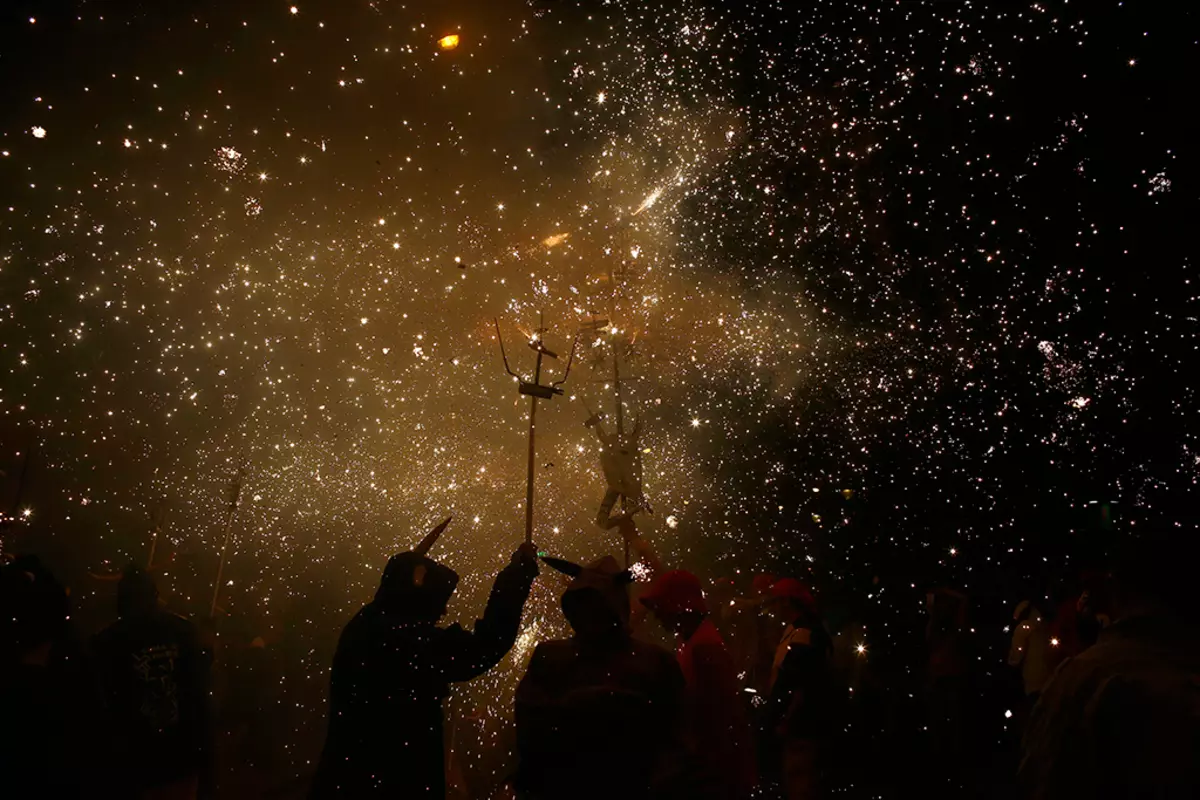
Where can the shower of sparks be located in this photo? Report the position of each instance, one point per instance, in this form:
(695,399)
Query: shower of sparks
(555,240)
(860,261)
(649,202)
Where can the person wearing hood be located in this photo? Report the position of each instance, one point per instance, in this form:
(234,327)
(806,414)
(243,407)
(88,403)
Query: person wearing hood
(155,679)
(596,714)
(393,668)
(715,724)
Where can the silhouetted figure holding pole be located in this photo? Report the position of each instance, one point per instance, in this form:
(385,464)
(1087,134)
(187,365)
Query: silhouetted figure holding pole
(393,668)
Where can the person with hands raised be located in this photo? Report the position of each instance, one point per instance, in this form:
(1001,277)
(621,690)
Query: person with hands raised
(394,666)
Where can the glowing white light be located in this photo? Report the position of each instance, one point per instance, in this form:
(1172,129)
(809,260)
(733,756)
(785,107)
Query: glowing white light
(38,132)
(650,200)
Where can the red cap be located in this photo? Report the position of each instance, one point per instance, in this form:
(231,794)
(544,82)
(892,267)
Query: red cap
(761,584)
(676,592)
(792,589)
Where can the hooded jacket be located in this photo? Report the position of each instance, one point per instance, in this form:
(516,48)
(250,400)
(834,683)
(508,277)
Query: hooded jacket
(393,668)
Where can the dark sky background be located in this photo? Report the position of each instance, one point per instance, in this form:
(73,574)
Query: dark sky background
(909,283)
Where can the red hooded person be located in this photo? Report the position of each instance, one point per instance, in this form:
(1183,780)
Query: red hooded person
(715,724)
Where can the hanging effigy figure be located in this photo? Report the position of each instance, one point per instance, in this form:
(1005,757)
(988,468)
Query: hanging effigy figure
(621,461)
(393,668)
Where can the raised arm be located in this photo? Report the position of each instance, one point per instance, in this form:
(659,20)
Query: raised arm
(468,654)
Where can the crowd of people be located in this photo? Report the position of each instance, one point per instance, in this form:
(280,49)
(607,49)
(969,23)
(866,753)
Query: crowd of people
(757,700)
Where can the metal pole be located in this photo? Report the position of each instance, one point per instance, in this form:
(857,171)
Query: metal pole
(235,496)
(617,384)
(153,545)
(212,609)
(537,375)
(16,506)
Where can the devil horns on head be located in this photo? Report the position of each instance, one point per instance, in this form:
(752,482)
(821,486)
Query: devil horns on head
(431,538)
(575,570)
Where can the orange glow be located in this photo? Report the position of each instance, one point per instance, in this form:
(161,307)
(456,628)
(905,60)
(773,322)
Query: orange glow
(448,42)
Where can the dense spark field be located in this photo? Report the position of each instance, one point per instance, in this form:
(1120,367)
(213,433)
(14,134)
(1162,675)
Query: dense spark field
(899,279)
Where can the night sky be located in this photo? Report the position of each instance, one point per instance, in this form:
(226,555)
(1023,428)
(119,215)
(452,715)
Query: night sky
(902,289)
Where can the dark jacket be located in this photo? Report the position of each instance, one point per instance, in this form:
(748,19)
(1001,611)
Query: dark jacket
(597,719)
(596,724)
(1121,719)
(800,700)
(155,678)
(390,675)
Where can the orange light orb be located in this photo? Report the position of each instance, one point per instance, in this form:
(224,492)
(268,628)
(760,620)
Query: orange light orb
(448,42)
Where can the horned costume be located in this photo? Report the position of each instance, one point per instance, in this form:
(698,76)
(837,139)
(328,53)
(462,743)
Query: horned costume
(393,668)
(597,713)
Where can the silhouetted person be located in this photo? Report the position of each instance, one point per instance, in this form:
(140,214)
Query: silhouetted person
(753,636)
(1077,621)
(948,673)
(796,718)
(597,713)
(393,668)
(155,680)
(716,727)
(46,709)
(1122,718)
(253,696)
